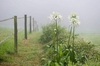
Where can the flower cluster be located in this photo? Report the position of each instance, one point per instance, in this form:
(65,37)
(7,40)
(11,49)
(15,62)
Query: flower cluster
(55,17)
(74,20)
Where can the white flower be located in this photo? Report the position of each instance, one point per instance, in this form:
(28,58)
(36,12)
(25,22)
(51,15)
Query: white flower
(74,20)
(55,16)
(73,15)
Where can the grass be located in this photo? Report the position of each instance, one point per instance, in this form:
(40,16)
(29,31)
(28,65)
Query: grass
(6,46)
(29,51)
(4,32)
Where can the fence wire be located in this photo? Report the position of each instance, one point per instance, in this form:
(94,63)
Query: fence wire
(12,18)
(6,19)
(9,36)
(20,17)
(20,30)
(6,38)
(12,33)
(28,17)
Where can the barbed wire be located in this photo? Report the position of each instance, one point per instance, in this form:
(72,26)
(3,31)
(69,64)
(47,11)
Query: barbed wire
(6,19)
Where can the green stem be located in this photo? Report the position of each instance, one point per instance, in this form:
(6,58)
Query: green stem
(73,36)
(54,45)
(57,41)
(57,35)
(69,36)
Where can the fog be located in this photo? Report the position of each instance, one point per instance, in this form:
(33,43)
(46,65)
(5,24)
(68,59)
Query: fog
(87,10)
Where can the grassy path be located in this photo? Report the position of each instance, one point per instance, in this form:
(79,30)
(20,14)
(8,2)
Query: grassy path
(29,53)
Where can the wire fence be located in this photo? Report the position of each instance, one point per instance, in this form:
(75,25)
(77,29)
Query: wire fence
(20,17)
(16,31)
(6,19)
(9,35)
(6,38)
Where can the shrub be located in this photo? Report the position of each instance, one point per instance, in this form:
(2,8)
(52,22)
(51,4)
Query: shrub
(48,33)
(86,49)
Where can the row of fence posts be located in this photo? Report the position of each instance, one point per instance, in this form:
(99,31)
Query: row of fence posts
(25,29)
(35,27)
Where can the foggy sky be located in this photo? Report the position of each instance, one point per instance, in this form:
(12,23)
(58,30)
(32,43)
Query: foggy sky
(87,10)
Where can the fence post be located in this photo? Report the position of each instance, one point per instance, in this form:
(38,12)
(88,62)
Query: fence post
(15,34)
(25,25)
(33,24)
(30,24)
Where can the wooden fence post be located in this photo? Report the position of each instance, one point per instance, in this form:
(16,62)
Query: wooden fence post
(33,24)
(25,26)
(30,24)
(15,34)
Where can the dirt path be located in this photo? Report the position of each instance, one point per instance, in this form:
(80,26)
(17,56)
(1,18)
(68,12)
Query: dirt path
(29,53)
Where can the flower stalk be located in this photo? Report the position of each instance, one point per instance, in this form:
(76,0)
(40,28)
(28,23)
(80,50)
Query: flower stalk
(74,22)
(56,17)
(69,37)
(73,36)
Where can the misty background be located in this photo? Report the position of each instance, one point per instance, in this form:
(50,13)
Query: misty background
(87,10)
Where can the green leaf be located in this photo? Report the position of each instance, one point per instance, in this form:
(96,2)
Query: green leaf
(60,49)
(56,64)
(72,56)
(49,63)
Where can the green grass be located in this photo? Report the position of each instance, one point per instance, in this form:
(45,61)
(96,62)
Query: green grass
(29,51)
(8,45)
(4,32)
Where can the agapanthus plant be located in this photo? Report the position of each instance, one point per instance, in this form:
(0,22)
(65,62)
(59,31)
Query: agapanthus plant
(74,22)
(56,17)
